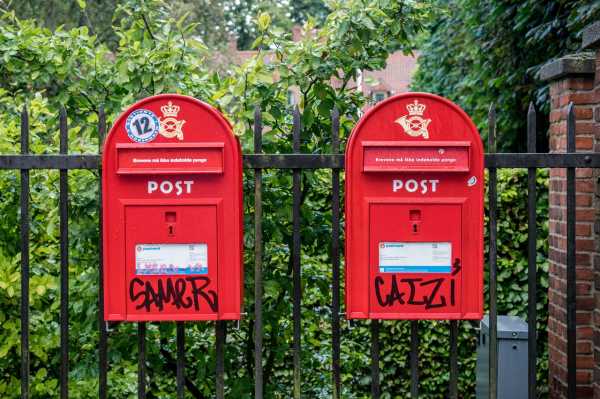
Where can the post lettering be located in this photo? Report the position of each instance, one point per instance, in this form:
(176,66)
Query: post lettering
(167,187)
(412,185)
(152,186)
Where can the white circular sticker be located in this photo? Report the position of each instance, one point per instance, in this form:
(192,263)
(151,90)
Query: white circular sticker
(142,126)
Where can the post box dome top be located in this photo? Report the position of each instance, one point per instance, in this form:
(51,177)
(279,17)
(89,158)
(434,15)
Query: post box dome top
(416,117)
(169,119)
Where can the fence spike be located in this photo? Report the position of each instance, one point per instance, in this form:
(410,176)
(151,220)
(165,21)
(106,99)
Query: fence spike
(531,128)
(492,128)
(571,298)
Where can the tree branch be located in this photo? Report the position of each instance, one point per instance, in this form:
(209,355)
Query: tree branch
(147,25)
(172,367)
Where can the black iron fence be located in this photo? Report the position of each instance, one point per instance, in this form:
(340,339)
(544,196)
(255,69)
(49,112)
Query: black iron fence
(296,163)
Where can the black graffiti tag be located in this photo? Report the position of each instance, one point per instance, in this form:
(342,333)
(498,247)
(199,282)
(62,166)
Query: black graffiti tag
(393,296)
(405,292)
(180,292)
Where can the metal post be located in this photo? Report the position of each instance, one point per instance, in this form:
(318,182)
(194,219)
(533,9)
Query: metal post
(64,260)
(571,276)
(335,257)
(532,255)
(493,377)
(296,193)
(258,287)
(102,343)
(24,258)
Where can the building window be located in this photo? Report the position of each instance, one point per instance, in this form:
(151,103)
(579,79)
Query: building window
(379,96)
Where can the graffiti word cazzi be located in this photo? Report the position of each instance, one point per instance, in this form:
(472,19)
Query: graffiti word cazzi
(413,291)
(183,292)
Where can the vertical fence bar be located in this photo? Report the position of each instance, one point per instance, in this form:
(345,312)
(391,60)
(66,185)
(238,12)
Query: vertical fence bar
(64,260)
(375,387)
(258,287)
(571,298)
(532,255)
(220,332)
(180,326)
(453,359)
(24,258)
(102,342)
(493,356)
(414,359)
(335,257)
(296,194)
(141,360)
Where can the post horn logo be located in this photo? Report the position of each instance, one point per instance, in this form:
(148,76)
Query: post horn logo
(169,126)
(414,124)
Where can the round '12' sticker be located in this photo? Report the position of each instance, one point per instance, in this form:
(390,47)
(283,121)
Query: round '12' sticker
(142,126)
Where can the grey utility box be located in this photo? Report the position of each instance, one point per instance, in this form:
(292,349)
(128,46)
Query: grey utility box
(512,358)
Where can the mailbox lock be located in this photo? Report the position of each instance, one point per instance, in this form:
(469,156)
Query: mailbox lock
(415,220)
(170,219)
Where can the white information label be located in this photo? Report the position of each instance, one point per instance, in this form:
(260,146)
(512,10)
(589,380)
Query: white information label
(415,257)
(153,259)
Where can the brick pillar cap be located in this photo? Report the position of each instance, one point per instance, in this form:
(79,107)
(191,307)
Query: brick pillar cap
(579,64)
(591,36)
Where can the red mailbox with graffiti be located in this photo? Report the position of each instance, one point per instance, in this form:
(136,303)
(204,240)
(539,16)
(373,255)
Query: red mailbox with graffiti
(172,213)
(414,212)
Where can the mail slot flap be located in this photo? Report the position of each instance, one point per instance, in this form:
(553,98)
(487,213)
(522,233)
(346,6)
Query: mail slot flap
(416,156)
(170,158)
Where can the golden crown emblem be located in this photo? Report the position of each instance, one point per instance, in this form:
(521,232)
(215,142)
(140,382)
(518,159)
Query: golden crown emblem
(170,127)
(414,124)
(170,110)
(416,108)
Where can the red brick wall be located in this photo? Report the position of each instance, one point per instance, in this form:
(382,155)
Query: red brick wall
(596,231)
(580,91)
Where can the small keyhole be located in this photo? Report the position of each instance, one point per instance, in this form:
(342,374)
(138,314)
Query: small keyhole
(171,230)
(414,227)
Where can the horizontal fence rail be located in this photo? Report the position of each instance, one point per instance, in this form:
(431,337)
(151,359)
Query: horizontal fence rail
(311,161)
(297,162)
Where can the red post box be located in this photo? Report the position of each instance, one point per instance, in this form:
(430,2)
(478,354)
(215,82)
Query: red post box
(414,212)
(172,213)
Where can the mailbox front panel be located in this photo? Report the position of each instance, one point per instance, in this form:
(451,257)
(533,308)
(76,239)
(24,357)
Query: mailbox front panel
(414,212)
(413,258)
(172,213)
(170,233)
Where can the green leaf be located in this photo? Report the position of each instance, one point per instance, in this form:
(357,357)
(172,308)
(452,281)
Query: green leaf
(264,20)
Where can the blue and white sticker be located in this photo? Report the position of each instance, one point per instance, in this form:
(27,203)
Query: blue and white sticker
(142,126)
(415,257)
(156,259)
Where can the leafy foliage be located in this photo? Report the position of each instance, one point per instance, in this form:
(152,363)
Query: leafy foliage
(216,21)
(484,52)
(46,69)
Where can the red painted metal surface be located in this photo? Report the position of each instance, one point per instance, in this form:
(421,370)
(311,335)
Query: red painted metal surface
(414,212)
(172,213)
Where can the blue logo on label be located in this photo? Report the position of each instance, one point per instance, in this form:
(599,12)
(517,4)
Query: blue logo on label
(142,126)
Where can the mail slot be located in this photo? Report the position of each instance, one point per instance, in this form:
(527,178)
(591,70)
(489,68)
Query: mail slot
(172,213)
(414,212)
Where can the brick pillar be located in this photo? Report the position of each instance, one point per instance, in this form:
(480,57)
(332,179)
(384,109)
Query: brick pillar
(591,41)
(571,79)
